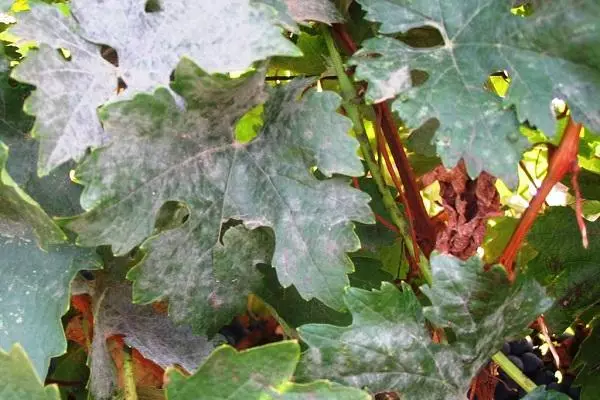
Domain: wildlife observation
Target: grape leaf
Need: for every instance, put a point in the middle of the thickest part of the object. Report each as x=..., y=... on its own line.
x=221, y=36
x=546, y=55
x=259, y=373
x=191, y=156
x=56, y=193
x=540, y=393
x=34, y=289
x=569, y=271
x=18, y=378
x=588, y=360
x=388, y=348
x=153, y=335
x=314, y=10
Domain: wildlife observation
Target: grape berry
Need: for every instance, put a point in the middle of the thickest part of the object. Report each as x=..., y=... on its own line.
x=529, y=359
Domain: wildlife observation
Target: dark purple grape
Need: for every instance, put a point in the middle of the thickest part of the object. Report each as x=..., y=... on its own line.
x=554, y=386
x=506, y=348
x=520, y=346
x=503, y=392
x=544, y=377
x=567, y=380
x=531, y=363
x=574, y=392
x=517, y=361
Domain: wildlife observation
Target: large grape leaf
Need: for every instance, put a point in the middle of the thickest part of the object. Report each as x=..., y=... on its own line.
x=568, y=270
x=18, y=379
x=191, y=156
x=154, y=335
x=259, y=373
x=388, y=348
x=587, y=362
x=221, y=36
x=551, y=54
x=34, y=289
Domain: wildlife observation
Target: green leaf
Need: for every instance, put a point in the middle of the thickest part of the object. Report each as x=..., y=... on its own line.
x=18, y=378
x=388, y=348
x=540, y=393
x=191, y=156
x=588, y=359
x=259, y=373
x=56, y=193
x=71, y=367
x=34, y=290
x=569, y=272
x=221, y=36
x=292, y=308
x=546, y=55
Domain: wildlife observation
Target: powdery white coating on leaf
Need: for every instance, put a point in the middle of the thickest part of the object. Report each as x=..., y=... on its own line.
x=68, y=92
x=34, y=289
x=551, y=54
x=221, y=36
x=191, y=156
x=314, y=10
x=388, y=348
x=154, y=335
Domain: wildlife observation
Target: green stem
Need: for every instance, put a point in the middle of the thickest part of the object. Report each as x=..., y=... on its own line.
x=352, y=111
x=513, y=371
x=128, y=376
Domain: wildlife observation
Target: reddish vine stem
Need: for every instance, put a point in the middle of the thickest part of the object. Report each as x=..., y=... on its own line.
x=563, y=161
x=421, y=227
x=383, y=151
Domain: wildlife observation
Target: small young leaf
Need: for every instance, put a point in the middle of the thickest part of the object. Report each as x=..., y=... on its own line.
x=261, y=373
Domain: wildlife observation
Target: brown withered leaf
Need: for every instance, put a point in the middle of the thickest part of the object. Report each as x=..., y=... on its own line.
x=468, y=204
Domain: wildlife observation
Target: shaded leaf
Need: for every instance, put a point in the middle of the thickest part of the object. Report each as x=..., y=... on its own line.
x=588, y=360
x=569, y=272
x=191, y=156
x=259, y=373
x=18, y=378
x=388, y=348
x=540, y=393
x=34, y=289
x=56, y=193
x=546, y=56
x=222, y=36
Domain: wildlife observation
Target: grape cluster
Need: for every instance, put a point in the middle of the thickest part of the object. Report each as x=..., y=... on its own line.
x=529, y=359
